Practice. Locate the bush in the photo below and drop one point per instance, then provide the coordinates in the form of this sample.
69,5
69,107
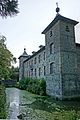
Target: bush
23,83
2,102
37,86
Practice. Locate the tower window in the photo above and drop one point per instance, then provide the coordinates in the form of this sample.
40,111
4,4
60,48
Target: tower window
67,29
50,33
44,55
51,48
51,67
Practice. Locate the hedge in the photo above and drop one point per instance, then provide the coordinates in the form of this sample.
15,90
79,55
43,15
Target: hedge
36,86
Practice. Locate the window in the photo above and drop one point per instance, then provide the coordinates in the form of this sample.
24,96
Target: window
31,62
35,60
51,48
51,68
39,58
44,70
67,28
27,64
50,33
39,71
27,73
35,72
44,55
31,72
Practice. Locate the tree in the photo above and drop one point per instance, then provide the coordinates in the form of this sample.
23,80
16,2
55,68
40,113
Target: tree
14,73
6,59
8,8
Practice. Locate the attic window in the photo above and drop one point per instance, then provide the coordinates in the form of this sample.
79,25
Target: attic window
50,33
67,29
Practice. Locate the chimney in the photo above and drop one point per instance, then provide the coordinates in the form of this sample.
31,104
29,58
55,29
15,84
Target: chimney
33,52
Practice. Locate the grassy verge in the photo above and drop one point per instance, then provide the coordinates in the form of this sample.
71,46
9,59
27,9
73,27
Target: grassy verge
2,102
35,107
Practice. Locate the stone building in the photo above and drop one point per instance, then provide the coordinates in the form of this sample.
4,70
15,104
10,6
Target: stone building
58,62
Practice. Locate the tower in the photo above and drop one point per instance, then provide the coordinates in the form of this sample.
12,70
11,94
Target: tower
61,61
22,58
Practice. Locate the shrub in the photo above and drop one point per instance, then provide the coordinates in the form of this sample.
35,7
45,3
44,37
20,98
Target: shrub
2,102
37,86
23,83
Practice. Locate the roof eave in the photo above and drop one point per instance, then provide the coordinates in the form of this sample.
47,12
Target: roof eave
57,18
43,48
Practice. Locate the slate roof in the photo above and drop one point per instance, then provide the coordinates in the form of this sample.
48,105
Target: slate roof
62,18
23,55
43,48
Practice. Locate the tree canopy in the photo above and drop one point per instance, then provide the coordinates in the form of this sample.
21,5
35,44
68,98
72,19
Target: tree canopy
8,8
6,59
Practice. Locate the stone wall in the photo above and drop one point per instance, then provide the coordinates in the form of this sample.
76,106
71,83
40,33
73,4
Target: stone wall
68,60
78,68
53,80
21,66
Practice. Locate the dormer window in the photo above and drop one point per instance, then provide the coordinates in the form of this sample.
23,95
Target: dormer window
50,33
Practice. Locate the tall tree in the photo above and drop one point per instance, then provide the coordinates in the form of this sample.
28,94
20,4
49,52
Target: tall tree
14,73
6,59
8,8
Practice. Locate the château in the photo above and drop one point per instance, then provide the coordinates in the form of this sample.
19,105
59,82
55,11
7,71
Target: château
58,62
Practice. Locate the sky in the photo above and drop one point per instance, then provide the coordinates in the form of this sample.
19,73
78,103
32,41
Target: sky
24,30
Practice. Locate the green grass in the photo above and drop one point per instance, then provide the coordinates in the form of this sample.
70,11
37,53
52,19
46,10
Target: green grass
59,110
46,108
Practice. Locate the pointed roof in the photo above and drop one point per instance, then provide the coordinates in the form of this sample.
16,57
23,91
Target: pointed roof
24,54
56,19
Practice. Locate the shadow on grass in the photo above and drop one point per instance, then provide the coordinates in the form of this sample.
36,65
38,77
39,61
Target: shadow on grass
47,103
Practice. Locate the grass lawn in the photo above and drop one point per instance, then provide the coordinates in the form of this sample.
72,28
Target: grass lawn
35,107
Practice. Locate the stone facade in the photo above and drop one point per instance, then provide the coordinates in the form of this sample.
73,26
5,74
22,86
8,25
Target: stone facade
22,58
58,62
35,65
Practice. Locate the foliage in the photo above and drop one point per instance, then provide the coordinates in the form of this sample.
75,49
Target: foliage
8,8
6,58
2,102
37,86
14,74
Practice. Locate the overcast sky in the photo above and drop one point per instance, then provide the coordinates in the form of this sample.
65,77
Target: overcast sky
24,30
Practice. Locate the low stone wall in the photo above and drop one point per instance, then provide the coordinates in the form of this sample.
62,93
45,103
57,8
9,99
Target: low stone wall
9,82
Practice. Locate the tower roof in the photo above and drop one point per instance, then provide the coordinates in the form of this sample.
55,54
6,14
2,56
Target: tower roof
56,19
24,54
